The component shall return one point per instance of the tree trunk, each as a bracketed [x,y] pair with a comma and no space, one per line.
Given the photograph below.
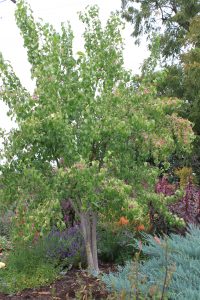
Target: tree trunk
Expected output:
[94,240]
[88,226]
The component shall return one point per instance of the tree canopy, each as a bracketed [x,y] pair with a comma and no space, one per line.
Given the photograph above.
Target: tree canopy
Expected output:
[89,132]
[168,18]
[171,27]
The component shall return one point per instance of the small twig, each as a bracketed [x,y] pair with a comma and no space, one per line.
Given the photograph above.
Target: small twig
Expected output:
[166,273]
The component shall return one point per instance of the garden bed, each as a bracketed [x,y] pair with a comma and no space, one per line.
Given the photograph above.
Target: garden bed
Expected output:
[76,284]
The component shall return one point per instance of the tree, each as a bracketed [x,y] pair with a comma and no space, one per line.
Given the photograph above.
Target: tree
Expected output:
[191,61]
[89,119]
[171,22]
[170,19]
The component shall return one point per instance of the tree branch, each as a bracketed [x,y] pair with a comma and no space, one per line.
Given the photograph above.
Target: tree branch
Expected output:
[158,6]
[174,7]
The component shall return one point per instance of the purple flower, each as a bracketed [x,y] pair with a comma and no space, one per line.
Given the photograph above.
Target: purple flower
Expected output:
[67,244]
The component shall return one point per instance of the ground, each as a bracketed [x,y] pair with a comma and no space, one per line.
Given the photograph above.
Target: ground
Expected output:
[76,284]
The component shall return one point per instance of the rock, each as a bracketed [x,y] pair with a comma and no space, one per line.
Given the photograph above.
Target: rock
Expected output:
[2,265]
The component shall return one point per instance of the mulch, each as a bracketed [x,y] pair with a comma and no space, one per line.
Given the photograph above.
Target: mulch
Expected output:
[76,284]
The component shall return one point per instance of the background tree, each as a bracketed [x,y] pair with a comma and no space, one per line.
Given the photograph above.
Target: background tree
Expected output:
[172,23]
[191,63]
[89,120]
[168,18]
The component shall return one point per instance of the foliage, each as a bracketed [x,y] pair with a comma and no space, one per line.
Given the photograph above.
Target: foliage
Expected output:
[170,19]
[188,207]
[119,281]
[172,28]
[185,175]
[30,221]
[163,186]
[5,223]
[88,132]
[179,255]
[191,60]
[27,266]
[91,188]
[114,242]
[4,244]
[67,247]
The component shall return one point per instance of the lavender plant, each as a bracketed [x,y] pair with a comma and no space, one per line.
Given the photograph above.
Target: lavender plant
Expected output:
[66,246]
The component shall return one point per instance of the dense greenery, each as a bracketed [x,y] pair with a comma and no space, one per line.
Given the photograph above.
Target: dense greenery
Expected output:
[27,266]
[174,27]
[87,118]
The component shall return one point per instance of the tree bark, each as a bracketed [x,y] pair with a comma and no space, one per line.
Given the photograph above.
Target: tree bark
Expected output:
[94,240]
[88,226]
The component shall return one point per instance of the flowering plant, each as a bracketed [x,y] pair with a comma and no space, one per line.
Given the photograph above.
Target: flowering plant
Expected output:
[65,245]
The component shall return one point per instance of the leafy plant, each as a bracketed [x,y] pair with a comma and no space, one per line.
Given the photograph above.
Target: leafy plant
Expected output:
[187,206]
[185,175]
[163,186]
[87,133]
[115,243]
[173,16]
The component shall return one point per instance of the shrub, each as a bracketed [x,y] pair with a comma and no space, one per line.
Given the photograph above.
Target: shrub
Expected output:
[114,243]
[173,262]
[185,175]
[186,207]
[165,187]
[67,246]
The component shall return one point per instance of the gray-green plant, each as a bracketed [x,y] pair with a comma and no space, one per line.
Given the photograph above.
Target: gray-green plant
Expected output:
[173,263]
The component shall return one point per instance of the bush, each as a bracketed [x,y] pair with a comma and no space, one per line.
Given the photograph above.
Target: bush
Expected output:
[67,246]
[27,267]
[185,175]
[174,262]
[186,207]
[114,243]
